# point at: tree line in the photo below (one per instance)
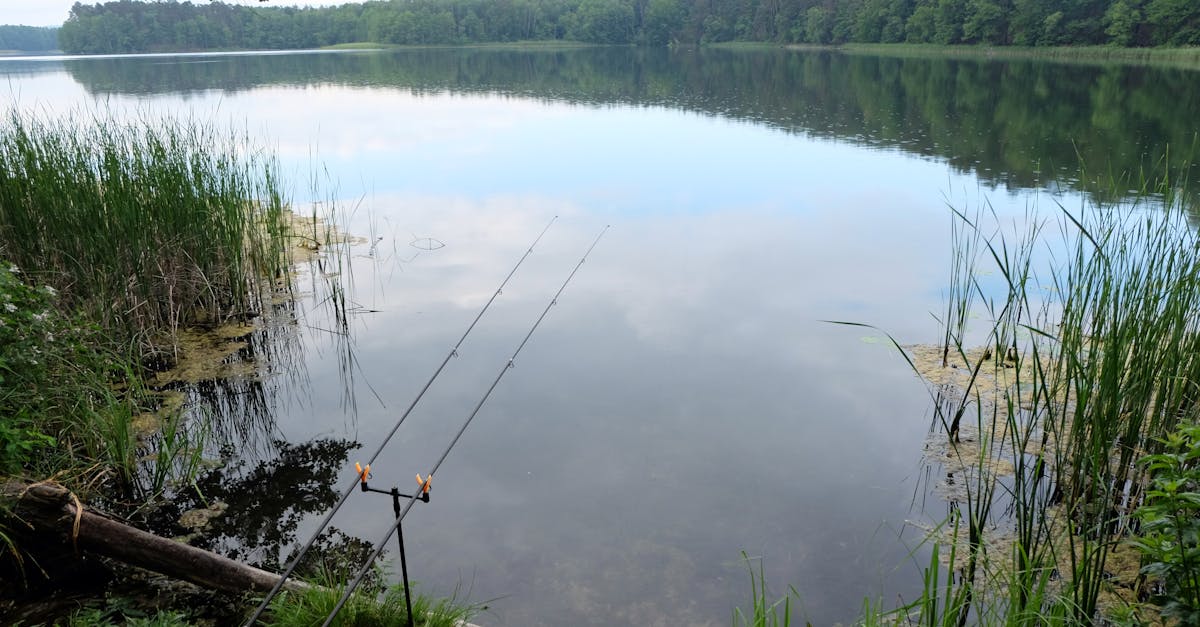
(135, 26)
(28, 38)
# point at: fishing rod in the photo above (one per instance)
(262, 607)
(508, 365)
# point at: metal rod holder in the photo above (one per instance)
(396, 508)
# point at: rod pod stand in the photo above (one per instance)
(396, 496)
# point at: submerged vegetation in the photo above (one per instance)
(1068, 437)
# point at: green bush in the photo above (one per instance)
(26, 341)
(1170, 533)
(67, 394)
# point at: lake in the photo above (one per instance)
(686, 399)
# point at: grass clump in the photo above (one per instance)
(367, 608)
(142, 226)
(1090, 360)
(59, 380)
(114, 236)
(765, 610)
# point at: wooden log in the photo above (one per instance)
(49, 511)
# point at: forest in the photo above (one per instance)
(133, 26)
(28, 38)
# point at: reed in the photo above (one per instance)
(144, 226)
(1091, 358)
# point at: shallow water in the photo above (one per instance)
(684, 400)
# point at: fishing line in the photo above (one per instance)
(262, 607)
(508, 365)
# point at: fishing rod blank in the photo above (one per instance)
(508, 365)
(262, 607)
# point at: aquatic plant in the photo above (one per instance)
(1090, 358)
(144, 226)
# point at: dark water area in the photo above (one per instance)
(685, 400)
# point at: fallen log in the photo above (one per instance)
(50, 512)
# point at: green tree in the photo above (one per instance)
(602, 22)
(1174, 22)
(818, 26)
(1027, 22)
(1121, 23)
(919, 28)
(948, 21)
(660, 22)
(985, 23)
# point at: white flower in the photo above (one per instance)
(13, 268)
(50, 290)
(9, 307)
(49, 337)
(41, 317)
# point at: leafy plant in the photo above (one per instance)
(27, 341)
(1170, 516)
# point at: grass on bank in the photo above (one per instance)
(384, 608)
(765, 609)
(1176, 57)
(388, 609)
(530, 44)
(113, 236)
(1090, 368)
(140, 226)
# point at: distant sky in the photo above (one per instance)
(54, 12)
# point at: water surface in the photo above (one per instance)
(685, 400)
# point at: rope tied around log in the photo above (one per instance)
(43, 508)
(61, 492)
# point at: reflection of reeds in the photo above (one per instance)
(1075, 383)
(146, 226)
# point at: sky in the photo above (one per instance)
(54, 12)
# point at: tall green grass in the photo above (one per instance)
(1185, 57)
(765, 611)
(1090, 358)
(145, 225)
(386, 609)
(115, 234)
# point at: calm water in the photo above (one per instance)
(684, 401)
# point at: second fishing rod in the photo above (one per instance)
(266, 602)
(508, 365)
